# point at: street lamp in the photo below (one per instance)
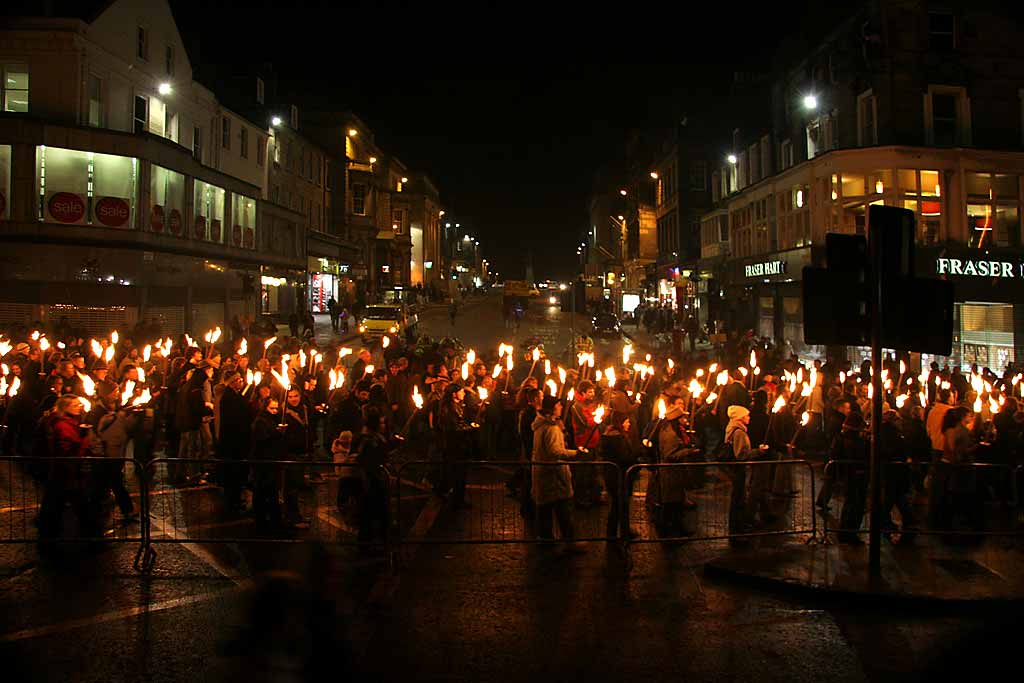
(275, 121)
(352, 132)
(810, 102)
(731, 159)
(622, 192)
(164, 88)
(373, 160)
(654, 175)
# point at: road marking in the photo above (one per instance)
(183, 539)
(117, 615)
(161, 492)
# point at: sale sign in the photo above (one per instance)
(113, 212)
(199, 229)
(215, 230)
(175, 222)
(156, 218)
(65, 207)
(236, 235)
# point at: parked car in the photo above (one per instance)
(606, 325)
(380, 320)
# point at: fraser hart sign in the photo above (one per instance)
(978, 268)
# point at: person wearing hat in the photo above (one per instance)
(190, 411)
(552, 485)
(737, 442)
(672, 483)
(105, 385)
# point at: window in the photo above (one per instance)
(96, 118)
(815, 142)
(197, 143)
(941, 30)
(225, 132)
(15, 88)
(993, 209)
(259, 90)
(947, 116)
(359, 199)
(277, 151)
(766, 150)
(5, 181)
(785, 154)
(166, 201)
(295, 117)
(698, 175)
(243, 141)
(142, 49)
(754, 155)
(141, 114)
(397, 218)
(243, 215)
(208, 204)
(169, 60)
(867, 115)
(261, 149)
(921, 192)
(78, 187)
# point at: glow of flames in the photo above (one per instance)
(369, 370)
(753, 358)
(482, 392)
(536, 354)
(700, 372)
(35, 335)
(86, 405)
(609, 374)
(671, 364)
(417, 398)
(15, 386)
(993, 405)
(627, 351)
(723, 378)
(113, 337)
(661, 409)
(924, 399)
(88, 386)
(712, 368)
(302, 358)
(471, 356)
(780, 403)
(5, 347)
(108, 355)
(190, 341)
(385, 342)
(547, 367)
(142, 375)
(147, 353)
(97, 350)
(590, 360)
(598, 375)
(711, 398)
(903, 367)
(901, 400)
(129, 391)
(805, 418)
(465, 371)
(806, 391)
(743, 371)
(842, 377)
(581, 359)
(281, 379)
(871, 391)
(977, 405)
(695, 388)
(248, 377)
(344, 351)
(509, 363)
(571, 395)
(257, 378)
(561, 375)
(599, 415)
(44, 344)
(267, 344)
(143, 398)
(243, 348)
(496, 371)
(552, 387)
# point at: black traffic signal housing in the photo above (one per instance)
(916, 314)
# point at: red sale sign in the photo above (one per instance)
(113, 212)
(175, 222)
(156, 218)
(65, 207)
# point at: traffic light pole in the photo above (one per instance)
(874, 486)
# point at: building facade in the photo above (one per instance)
(126, 192)
(904, 105)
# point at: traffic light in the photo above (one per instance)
(916, 314)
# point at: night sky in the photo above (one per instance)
(509, 109)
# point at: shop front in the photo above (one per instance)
(763, 295)
(988, 315)
(280, 291)
(327, 279)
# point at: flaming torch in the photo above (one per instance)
(417, 400)
(804, 419)
(243, 348)
(652, 429)
(536, 357)
(552, 387)
(113, 337)
(598, 419)
(509, 364)
(97, 349)
(497, 371)
(267, 344)
(561, 380)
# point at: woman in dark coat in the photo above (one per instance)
(455, 434)
(235, 431)
(268, 443)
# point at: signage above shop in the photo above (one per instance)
(764, 268)
(978, 268)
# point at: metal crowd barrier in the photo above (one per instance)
(39, 494)
(200, 514)
(942, 499)
(709, 501)
(498, 517)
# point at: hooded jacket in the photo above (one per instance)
(736, 436)
(550, 483)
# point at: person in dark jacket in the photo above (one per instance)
(896, 475)
(268, 443)
(298, 445)
(616, 448)
(455, 434)
(519, 484)
(235, 429)
(853, 445)
(68, 481)
(190, 410)
(372, 454)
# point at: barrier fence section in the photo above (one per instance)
(706, 501)
(292, 501)
(103, 498)
(498, 516)
(931, 499)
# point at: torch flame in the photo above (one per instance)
(88, 386)
(344, 351)
(147, 352)
(571, 395)
(143, 398)
(97, 350)
(86, 405)
(114, 337)
(369, 370)
(924, 399)
(581, 358)
(590, 360)
(598, 415)
(385, 342)
(482, 392)
(671, 364)
(661, 409)
(743, 371)
(561, 375)
(465, 371)
(248, 377)
(35, 335)
(243, 348)
(700, 372)
(281, 379)
(536, 354)
(723, 378)
(496, 371)
(15, 385)
(417, 398)
(627, 351)
(753, 358)
(552, 387)
(547, 367)
(977, 405)
(712, 368)
(142, 375)
(993, 406)
(44, 344)
(842, 377)
(267, 344)
(108, 355)
(901, 400)
(257, 377)
(780, 403)
(129, 391)
(471, 356)
(509, 363)
(711, 398)
(695, 388)
(903, 367)
(806, 391)
(609, 374)
(805, 418)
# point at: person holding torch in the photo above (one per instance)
(551, 484)
(585, 435)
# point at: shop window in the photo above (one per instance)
(815, 142)
(243, 216)
(208, 205)
(15, 88)
(5, 182)
(986, 335)
(167, 202)
(82, 188)
(993, 215)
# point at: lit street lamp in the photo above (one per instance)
(810, 102)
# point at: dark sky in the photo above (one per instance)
(509, 107)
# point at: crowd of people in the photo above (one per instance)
(234, 411)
